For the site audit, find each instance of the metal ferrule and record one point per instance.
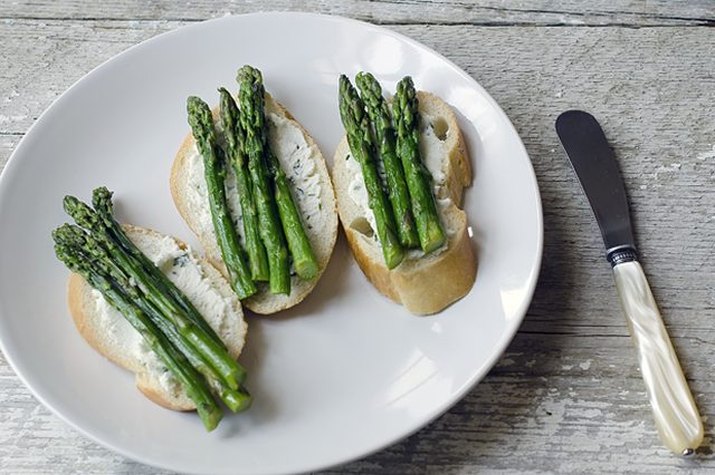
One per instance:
(621, 254)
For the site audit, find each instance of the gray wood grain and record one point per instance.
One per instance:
(567, 395)
(490, 12)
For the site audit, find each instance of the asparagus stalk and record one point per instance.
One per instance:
(306, 266)
(236, 400)
(202, 126)
(214, 352)
(251, 121)
(102, 201)
(188, 377)
(229, 115)
(304, 261)
(397, 192)
(357, 127)
(419, 180)
(74, 238)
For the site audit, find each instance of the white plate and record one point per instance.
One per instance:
(342, 375)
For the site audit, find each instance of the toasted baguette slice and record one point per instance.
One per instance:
(305, 168)
(108, 332)
(423, 284)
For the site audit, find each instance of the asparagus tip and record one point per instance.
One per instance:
(248, 73)
(69, 202)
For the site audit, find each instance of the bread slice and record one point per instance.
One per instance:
(423, 284)
(108, 332)
(305, 168)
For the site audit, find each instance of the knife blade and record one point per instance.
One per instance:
(597, 170)
(676, 415)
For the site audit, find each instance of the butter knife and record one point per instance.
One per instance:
(676, 415)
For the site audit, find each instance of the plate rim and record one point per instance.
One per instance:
(437, 411)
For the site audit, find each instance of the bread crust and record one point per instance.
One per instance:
(263, 302)
(158, 396)
(429, 284)
(80, 306)
(81, 301)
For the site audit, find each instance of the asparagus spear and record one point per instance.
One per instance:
(214, 353)
(357, 127)
(229, 115)
(188, 377)
(379, 113)
(202, 126)
(298, 243)
(419, 179)
(306, 266)
(103, 224)
(74, 238)
(252, 120)
(102, 201)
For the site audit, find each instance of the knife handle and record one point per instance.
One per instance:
(676, 416)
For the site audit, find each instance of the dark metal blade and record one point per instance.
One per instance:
(597, 170)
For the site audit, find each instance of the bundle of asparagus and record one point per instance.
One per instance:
(403, 203)
(98, 249)
(272, 226)
(399, 174)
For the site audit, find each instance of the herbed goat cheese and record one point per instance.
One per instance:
(432, 153)
(297, 159)
(185, 271)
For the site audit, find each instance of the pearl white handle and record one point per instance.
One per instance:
(676, 415)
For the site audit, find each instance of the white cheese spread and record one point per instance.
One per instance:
(186, 273)
(297, 159)
(432, 153)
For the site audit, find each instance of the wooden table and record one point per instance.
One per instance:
(567, 395)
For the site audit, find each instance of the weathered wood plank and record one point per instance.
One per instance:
(7, 145)
(490, 12)
(42, 59)
(567, 396)
(518, 420)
